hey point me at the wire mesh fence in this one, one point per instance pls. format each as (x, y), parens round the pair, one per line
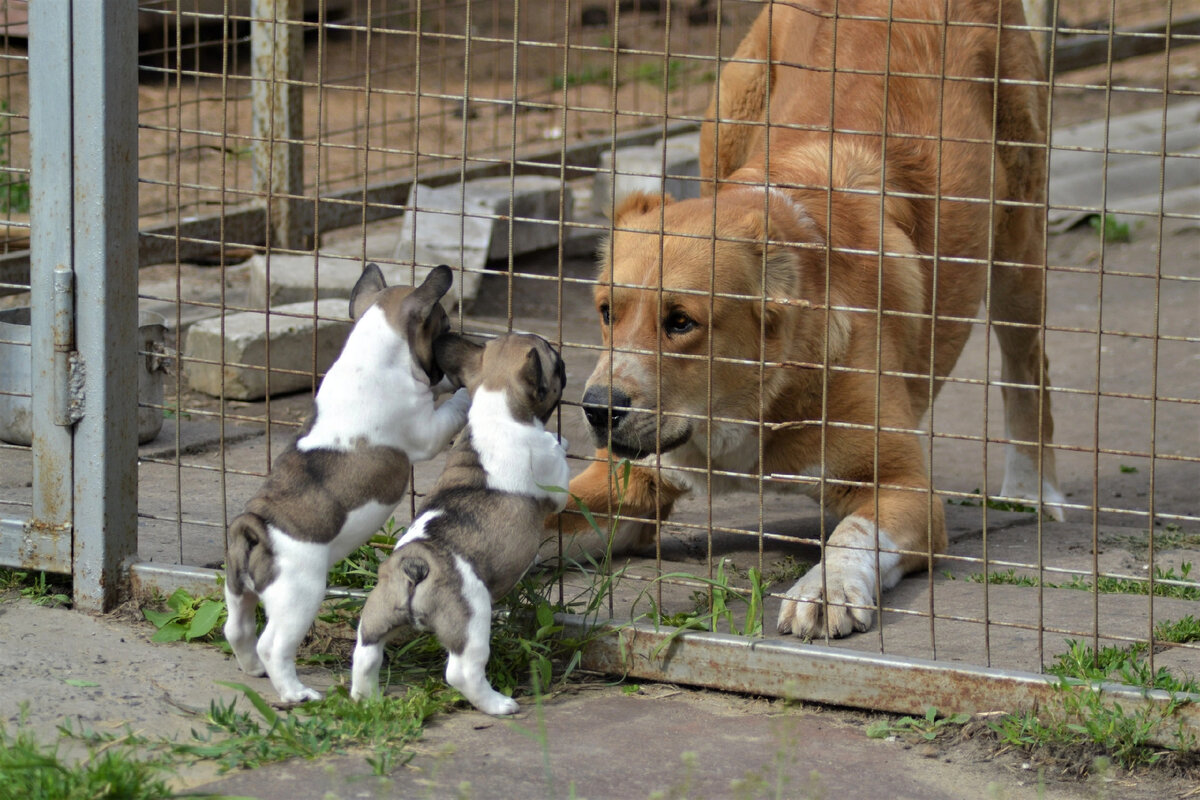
(502, 137)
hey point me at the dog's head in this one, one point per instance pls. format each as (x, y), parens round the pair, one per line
(525, 368)
(693, 296)
(415, 313)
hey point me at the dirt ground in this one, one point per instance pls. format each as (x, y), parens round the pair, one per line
(59, 667)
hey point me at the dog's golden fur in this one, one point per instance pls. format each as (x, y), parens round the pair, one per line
(757, 308)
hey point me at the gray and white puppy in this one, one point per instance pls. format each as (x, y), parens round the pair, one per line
(345, 473)
(480, 528)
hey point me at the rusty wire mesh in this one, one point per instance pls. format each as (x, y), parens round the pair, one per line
(397, 93)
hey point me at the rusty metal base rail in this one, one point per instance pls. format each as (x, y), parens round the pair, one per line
(790, 669)
(812, 673)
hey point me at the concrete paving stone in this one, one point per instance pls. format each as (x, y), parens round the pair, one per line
(324, 275)
(239, 353)
(462, 224)
(641, 169)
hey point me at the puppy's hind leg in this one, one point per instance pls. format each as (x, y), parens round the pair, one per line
(241, 629)
(246, 568)
(291, 602)
(465, 669)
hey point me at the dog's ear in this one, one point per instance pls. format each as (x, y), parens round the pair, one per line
(420, 301)
(459, 358)
(365, 290)
(533, 374)
(637, 203)
(415, 568)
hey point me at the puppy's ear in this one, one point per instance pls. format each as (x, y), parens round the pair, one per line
(637, 203)
(459, 358)
(533, 374)
(420, 301)
(415, 568)
(369, 285)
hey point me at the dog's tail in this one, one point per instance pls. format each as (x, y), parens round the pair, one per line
(250, 562)
(390, 605)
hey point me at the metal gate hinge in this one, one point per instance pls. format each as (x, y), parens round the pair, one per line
(68, 366)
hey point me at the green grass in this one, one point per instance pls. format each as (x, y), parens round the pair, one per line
(36, 587)
(927, 728)
(14, 190)
(1105, 584)
(31, 770)
(675, 74)
(995, 505)
(1112, 228)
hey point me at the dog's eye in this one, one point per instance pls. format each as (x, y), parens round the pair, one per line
(604, 317)
(678, 323)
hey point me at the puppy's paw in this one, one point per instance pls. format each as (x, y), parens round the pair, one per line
(300, 695)
(498, 705)
(847, 588)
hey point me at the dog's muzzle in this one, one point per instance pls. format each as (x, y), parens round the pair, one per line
(627, 431)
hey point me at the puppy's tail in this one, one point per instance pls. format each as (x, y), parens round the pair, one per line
(250, 562)
(391, 604)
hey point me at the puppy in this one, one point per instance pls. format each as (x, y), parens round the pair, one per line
(481, 527)
(341, 479)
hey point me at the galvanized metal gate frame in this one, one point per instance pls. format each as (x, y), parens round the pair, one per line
(83, 280)
(83, 121)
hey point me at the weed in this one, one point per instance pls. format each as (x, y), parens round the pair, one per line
(1112, 228)
(586, 75)
(14, 193)
(1171, 537)
(1007, 578)
(928, 727)
(1125, 665)
(1081, 717)
(990, 502)
(240, 739)
(1186, 629)
(1166, 584)
(188, 618)
(1127, 469)
(34, 771)
(37, 589)
(712, 610)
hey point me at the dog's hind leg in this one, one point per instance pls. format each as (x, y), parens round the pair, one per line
(291, 602)
(1016, 312)
(465, 670)
(241, 629)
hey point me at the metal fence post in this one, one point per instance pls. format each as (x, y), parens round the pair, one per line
(277, 100)
(51, 256)
(105, 165)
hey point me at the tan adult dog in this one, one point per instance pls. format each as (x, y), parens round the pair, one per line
(798, 293)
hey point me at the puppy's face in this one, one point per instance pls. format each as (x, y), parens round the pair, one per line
(525, 368)
(416, 313)
(680, 298)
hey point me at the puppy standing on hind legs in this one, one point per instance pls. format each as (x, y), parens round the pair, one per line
(481, 528)
(341, 479)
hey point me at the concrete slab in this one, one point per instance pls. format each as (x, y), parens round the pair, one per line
(283, 279)
(1134, 163)
(633, 169)
(228, 357)
(466, 225)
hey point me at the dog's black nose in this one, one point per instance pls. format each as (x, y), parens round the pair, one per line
(597, 410)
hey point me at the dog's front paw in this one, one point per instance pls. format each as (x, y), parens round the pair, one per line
(847, 587)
